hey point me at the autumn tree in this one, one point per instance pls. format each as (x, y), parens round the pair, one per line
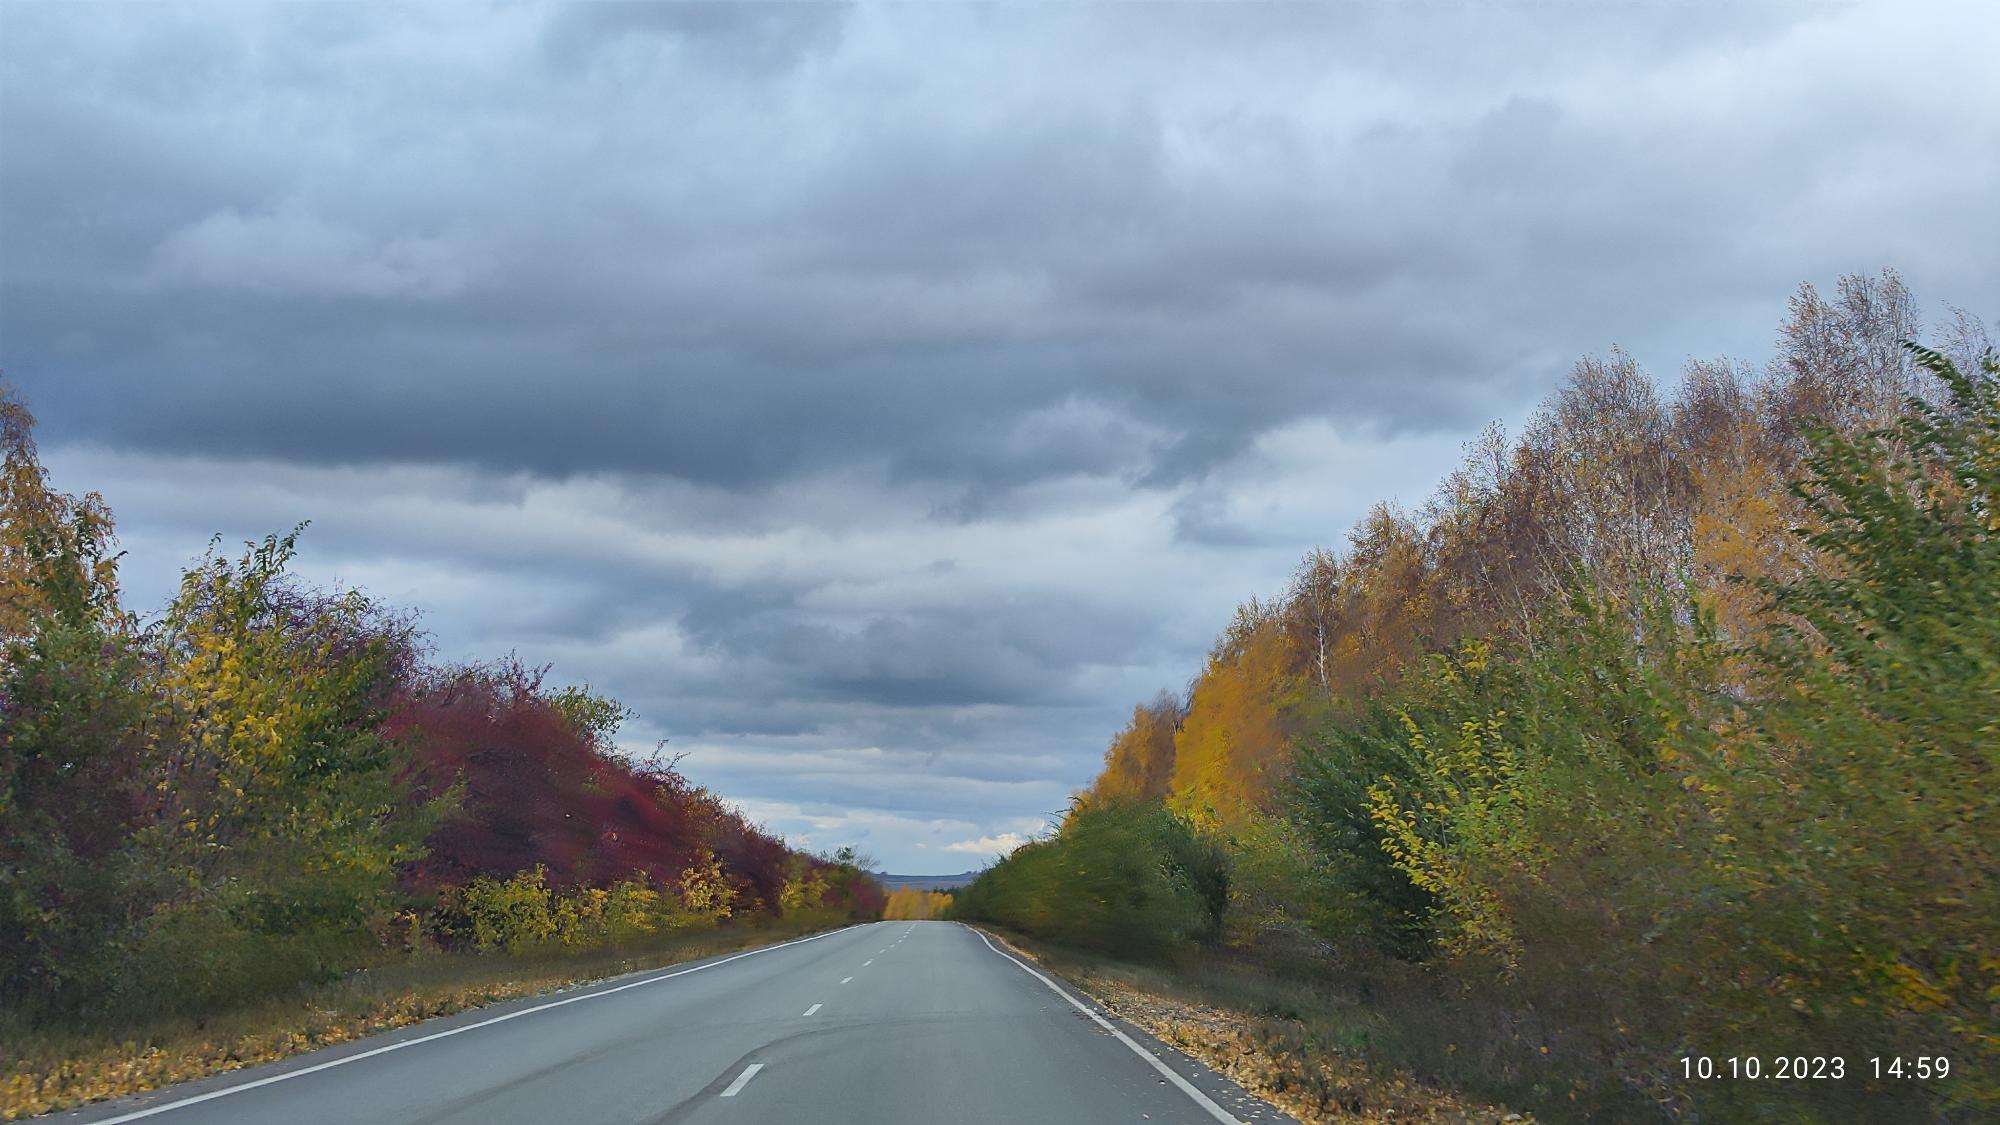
(1669, 668)
(52, 545)
(74, 726)
(1140, 762)
(912, 903)
(1229, 749)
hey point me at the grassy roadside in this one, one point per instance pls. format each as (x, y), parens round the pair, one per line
(44, 1069)
(1294, 1044)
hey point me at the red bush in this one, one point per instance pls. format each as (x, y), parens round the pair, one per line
(535, 790)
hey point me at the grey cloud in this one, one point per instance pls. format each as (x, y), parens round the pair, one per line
(895, 293)
(761, 35)
(981, 654)
(791, 304)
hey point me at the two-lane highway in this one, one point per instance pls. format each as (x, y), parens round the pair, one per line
(888, 1022)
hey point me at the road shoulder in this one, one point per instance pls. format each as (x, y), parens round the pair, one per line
(1233, 1098)
(1235, 1053)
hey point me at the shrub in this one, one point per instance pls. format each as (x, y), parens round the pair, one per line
(1122, 876)
(514, 915)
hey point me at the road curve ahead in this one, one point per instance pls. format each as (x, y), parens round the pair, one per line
(887, 1022)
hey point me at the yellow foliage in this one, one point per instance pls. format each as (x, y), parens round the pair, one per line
(912, 903)
(1230, 749)
(1740, 525)
(38, 524)
(1475, 786)
(523, 913)
(707, 896)
(1139, 765)
(804, 888)
(515, 915)
(256, 701)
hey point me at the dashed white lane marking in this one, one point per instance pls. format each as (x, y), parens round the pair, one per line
(1186, 1087)
(811, 1010)
(742, 1080)
(447, 1033)
(844, 980)
(868, 962)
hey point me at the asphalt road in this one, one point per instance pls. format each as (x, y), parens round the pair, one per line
(888, 1022)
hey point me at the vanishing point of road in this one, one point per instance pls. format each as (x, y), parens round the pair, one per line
(869, 1025)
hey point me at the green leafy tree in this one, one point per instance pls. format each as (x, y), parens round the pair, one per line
(281, 809)
(1872, 826)
(74, 721)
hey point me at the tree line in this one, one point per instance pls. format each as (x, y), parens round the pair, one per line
(1666, 729)
(267, 784)
(912, 903)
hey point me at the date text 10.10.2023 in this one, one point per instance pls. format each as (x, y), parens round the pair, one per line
(1782, 1067)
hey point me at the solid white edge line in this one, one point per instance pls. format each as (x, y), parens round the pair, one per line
(383, 1050)
(1186, 1087)
(811, 1010)
(742, 1080)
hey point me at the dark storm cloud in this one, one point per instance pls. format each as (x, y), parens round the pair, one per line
(815, 285)
(882, 397)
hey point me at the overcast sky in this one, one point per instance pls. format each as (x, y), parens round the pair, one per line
(884, 398)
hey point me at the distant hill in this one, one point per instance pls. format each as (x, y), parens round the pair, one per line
(925, 882)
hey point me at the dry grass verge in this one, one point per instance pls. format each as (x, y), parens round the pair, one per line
(46, 1070)
(1225, 1018)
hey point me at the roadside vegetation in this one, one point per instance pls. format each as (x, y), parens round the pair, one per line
(1664, 731)
(225, 809)
(912, 903)
(1289, 1039)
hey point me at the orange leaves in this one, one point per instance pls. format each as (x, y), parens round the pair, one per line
(54, 547)
(1140, 762)
(1230, 745)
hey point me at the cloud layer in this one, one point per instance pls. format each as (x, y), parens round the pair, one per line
(882, 397)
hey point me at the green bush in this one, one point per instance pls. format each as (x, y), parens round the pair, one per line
(1125, 877)
(190, 961)
(511, 915)
(1326, 804)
